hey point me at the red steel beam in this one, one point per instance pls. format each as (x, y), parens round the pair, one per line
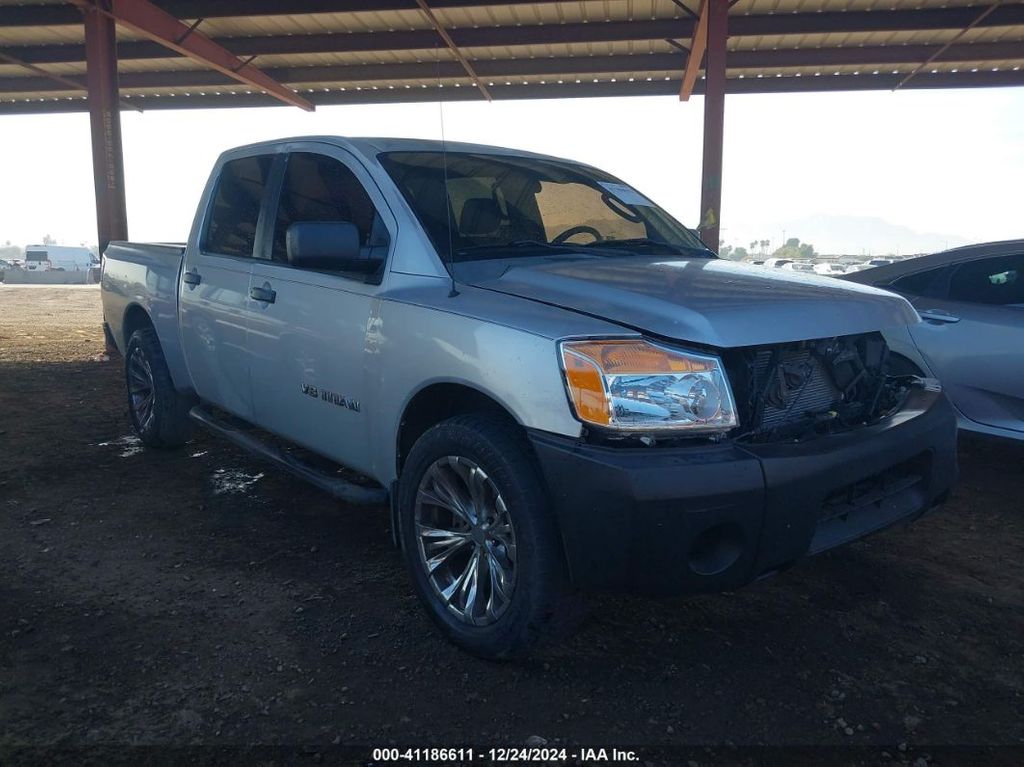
(65, 81)
(717, 13)
(439, 27)
(105, 121)
(981, 17)
(697, 47)
(146, 19)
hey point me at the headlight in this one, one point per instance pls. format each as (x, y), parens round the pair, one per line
(639, 386)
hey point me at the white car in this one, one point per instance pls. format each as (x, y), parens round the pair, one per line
(799, 266)
(971, 301)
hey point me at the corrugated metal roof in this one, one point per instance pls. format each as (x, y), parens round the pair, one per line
(355, 51)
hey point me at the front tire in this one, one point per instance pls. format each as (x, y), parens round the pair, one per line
(158, 411)
(479, 539)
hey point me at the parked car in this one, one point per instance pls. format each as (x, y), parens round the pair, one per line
(972, 302)
(552, 383)
(798, 266)
(829, 269)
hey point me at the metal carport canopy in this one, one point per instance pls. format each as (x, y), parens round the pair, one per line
(222, 53)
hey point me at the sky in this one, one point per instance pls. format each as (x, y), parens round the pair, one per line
(860, 173)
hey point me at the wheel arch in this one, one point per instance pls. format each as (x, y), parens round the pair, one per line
(436, 402)
(135, 317)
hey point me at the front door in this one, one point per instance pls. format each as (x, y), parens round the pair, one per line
(972, 336)
(214, 298)
(311, 375)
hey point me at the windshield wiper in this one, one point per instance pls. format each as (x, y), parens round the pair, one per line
(645, 242)
(517, 244)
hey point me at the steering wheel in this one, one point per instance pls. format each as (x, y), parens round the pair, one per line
(574, 230)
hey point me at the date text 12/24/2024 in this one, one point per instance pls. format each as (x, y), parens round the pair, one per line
(509, 754)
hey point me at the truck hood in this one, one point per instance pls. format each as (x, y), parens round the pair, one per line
(706, 301)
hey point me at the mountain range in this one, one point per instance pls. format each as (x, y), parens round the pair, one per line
(846, 235)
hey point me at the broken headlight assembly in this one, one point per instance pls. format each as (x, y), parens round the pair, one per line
(637, 386)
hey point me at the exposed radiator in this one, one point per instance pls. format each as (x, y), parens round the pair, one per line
(809, 386)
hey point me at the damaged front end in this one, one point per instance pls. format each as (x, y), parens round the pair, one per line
(789, 392)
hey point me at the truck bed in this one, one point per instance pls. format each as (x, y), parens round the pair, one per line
(144, 276)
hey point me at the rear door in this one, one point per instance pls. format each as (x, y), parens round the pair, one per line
(972, 335)
(214, 291)
(311, 371)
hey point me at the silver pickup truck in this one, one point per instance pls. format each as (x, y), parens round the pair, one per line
(551, 383)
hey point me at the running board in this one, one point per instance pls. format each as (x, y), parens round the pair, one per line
(336, 486)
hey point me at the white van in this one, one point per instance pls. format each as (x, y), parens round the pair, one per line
(45, 258)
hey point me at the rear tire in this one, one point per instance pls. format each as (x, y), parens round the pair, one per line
(158, 411)
(471, 503)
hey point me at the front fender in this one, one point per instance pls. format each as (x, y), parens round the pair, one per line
(421, 347)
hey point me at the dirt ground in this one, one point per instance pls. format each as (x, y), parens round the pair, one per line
(199, 597)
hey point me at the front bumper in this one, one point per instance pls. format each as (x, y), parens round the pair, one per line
(715, 517)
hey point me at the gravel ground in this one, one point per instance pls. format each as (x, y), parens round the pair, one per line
(198, 597)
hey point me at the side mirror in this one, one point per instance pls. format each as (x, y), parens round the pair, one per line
(332, 245)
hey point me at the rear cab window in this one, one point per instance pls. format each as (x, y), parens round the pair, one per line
(234, 214)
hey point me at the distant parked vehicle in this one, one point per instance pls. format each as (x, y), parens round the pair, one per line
(777, 262)
(829, 269)
(972, 302)
(45, 258)
(799, 266)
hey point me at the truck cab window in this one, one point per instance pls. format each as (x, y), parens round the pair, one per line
(235, 213)
(320, 188)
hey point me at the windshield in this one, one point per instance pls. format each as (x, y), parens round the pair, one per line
(486, 206)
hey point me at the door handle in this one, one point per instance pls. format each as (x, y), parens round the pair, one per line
(937, 317)
(192, 278)
(264, 294)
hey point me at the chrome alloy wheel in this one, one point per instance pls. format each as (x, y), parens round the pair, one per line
(141, 390)
(466, 540)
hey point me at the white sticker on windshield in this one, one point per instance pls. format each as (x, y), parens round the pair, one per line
(626, 194)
